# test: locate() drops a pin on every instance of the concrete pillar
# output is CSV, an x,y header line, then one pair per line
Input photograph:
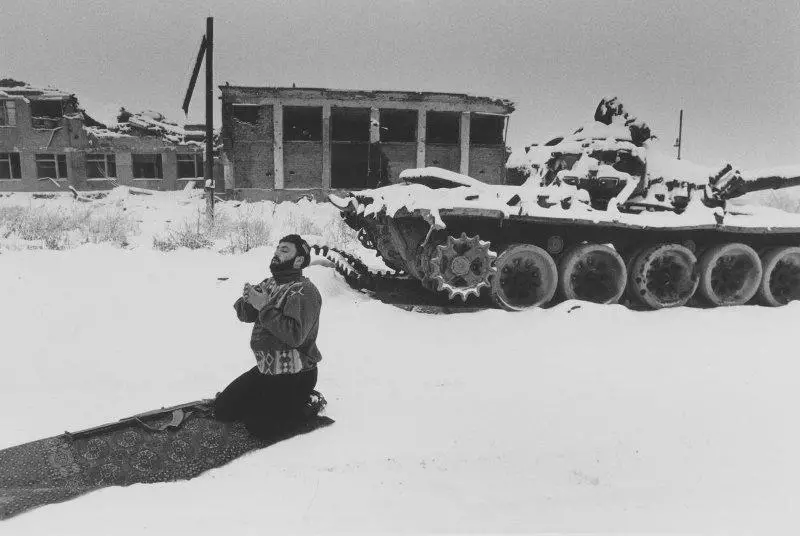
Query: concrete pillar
x,y
169,171
76,168
374,125
326,145
277,143
422,122
125,168
227,167
464,137
28,167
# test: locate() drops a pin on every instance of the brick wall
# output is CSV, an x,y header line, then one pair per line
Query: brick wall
x,y
400,156
71,140
253,165
250,148
443,156
302,164
260,131
29,141
487,163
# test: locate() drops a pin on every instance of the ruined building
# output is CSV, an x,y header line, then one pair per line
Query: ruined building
x,y
288,139
48,143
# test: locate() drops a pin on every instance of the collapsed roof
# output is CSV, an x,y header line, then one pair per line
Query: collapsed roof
x,y
153,124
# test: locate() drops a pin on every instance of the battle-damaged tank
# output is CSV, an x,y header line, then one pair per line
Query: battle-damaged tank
x,y
597,215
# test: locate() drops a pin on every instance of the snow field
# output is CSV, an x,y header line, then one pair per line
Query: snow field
x,y
587,419
578,418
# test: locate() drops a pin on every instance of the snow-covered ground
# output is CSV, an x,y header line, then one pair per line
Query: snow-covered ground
x,y
589,419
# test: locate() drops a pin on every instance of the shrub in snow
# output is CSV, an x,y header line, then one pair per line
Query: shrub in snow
x,y
39,227
249,230
189,235
296,222
340,235
43,227
246,230
112,227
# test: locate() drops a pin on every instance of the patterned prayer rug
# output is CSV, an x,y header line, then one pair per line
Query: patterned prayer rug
x,y
59,468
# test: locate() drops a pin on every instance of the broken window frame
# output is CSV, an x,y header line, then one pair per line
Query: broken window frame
x,y
45,162
10,165
396,130
348,124
437,132
101,165
495,139
299,128
147,159
49,120
187,159
47,108
240,107
8,113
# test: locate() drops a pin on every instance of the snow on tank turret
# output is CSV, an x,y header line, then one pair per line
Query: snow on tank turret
x,y
597,215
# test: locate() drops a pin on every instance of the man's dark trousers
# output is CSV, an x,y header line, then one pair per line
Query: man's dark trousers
x,y
267,404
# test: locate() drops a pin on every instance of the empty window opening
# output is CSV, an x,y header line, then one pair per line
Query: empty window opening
x,y
147,166
101,166
51,166
398,125
8,113
350,124
247,113
486,129
46,114
190,166
443,127
349,165
9,166
47,108
302,123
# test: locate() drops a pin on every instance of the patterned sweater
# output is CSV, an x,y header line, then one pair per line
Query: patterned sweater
x,y
284,338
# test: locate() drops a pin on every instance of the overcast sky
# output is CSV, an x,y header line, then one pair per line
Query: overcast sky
x,y
733,66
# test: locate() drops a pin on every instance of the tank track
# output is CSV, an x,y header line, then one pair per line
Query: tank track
x,y
355,272
396,288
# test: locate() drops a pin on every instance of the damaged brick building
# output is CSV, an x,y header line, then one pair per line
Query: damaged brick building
x,y
320,139
48,143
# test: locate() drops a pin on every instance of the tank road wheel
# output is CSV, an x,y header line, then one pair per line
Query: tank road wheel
x,y
729,274
526,276
462,266
592,272
663,276
780,282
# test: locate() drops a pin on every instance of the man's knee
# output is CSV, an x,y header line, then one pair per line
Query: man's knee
x,y
225,408
233,402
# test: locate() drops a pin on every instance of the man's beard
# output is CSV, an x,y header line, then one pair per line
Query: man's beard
x,y
277,266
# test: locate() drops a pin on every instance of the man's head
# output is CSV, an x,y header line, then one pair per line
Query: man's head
x,y
292,253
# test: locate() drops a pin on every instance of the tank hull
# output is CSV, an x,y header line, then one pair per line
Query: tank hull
x,y
409,240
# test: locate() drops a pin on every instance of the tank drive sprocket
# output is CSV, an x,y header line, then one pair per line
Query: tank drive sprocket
x,y
462,266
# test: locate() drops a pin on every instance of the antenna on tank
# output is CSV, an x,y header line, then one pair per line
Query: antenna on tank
x,y
679,139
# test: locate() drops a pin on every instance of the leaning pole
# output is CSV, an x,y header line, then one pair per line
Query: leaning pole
x,y
208,171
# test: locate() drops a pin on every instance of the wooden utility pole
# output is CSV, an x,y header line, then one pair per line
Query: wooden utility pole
x,y
206,51
208,172
679,141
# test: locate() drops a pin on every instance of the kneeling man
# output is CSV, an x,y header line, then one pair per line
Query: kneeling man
x,y
284,310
